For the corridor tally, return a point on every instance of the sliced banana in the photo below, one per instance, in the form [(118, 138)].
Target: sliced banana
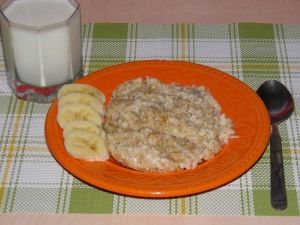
[(81, 88), (83, 98), (86, 146), (85, 126), (77, 111)]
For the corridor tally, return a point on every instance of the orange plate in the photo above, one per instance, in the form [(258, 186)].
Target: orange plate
[(239, 102)]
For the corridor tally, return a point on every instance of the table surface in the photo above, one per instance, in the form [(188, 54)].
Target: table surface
[(190, 11), (169, 11)]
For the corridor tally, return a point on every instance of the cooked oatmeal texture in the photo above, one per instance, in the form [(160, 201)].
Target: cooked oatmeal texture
[(157, 127)]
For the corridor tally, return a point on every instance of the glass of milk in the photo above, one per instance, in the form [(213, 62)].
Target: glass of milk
[(41, 42)]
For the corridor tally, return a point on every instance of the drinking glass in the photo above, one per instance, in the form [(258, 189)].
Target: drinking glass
[(41, 41)]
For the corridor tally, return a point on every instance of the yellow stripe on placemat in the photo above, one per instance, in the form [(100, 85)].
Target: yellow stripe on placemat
[(183, 206), (183, 41), (10, 151)]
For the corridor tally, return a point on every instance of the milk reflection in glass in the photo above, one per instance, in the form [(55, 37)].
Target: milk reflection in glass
[(42, 46)]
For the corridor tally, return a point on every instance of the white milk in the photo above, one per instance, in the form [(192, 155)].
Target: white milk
[(45, 57)]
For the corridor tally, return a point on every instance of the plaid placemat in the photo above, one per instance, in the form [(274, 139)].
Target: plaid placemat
[(31, 181)]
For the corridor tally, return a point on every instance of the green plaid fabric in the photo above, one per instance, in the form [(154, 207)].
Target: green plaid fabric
[(31, 181)]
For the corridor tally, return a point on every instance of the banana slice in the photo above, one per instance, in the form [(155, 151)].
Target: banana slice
[(77, 111), (86, 146), (85, 126), (81, 88), (83, 98)]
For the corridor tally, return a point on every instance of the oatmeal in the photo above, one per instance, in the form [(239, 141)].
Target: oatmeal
[(157, 127)]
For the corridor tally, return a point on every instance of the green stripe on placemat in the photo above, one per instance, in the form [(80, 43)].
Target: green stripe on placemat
[(107, 45), (90, 200), (259, 53)]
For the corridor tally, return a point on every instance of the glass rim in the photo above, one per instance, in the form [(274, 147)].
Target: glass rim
[(45, 27)]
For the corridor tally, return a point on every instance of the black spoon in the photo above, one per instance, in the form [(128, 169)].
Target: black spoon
[(280, 105)]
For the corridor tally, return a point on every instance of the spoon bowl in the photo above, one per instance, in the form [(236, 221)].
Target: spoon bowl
[(277, 99), (280, 105)]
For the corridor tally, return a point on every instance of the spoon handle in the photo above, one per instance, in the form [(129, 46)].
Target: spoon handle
[(278, 191)]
